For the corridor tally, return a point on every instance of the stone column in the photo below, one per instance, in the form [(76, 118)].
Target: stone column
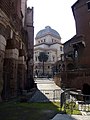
[(10, 64), (21, 70), (2, 52)]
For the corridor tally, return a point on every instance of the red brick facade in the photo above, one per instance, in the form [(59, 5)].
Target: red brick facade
[(77, 50), (82, 19)]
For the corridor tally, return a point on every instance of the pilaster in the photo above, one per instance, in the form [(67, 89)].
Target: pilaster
[(22, 67), (10, 71), (2, 52)]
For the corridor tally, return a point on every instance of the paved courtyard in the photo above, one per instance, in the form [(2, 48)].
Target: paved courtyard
[(70, 117), (48, 84), (47, 91)]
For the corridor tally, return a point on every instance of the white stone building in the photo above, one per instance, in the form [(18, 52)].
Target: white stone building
[(47, 40)]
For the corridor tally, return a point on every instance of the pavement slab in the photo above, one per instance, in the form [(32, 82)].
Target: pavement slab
[(70, 117)]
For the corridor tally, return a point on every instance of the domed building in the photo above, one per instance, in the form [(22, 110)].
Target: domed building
[(47, 40)]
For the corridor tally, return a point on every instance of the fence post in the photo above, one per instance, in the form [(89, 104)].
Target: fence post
[(53, 95)]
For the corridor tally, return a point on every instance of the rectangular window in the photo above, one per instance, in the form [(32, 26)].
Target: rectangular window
[(60, 48), (36, 58), (62, 57), (88, 4), (53, 58)]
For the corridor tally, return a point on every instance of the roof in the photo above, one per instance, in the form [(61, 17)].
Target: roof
[(75, 38), (47, 31)]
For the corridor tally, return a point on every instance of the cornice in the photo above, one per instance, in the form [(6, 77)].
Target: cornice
[(44, 49), (48, 44)]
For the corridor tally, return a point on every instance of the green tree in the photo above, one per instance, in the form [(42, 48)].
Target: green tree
[(43, 57)]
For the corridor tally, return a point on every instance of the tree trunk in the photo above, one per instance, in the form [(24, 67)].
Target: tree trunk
[(43, 68)]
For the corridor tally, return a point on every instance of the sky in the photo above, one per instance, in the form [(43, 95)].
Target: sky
[(54, 13)]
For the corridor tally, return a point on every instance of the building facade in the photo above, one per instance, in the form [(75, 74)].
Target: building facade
[(13, 47), (76, 50), (47, 40)]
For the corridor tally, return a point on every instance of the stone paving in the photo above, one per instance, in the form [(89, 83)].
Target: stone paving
[(70, 117), (46, 84), (47, 91), (40, 97)]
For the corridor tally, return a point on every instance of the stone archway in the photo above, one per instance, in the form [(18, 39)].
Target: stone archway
[(86, 89), (70, 66), (2, 53)]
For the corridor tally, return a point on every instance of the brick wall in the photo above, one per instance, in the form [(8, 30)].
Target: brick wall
[(76, 78), (5, 6), (82, 19)]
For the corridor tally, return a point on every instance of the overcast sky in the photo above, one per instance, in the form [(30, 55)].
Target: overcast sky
[(55, 13)]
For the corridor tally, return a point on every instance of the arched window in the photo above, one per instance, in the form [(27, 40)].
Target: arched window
[(76, 54), (70, 66)]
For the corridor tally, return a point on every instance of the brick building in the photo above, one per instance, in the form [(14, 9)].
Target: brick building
[(77, 56), (76, 72), (13, 47)]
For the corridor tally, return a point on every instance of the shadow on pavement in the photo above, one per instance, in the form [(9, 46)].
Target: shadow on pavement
[(39, 97), (37, 108)]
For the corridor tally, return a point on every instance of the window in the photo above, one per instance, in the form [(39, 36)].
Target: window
[(53, 58), (44, 40), (62, 57), (48, 67), (60, 48), (36, 67), (36, 58), (88, 4), (76, 53)]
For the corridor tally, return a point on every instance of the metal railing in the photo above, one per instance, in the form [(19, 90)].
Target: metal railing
[(75, 101), (52, 95)]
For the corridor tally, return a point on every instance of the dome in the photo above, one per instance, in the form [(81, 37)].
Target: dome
[(46, 31)]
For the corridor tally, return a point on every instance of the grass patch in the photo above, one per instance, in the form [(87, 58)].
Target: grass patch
[(71, 108), (32, 111), (28, 111)]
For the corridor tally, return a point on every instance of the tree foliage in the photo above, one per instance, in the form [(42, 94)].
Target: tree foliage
[(43, 57)]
